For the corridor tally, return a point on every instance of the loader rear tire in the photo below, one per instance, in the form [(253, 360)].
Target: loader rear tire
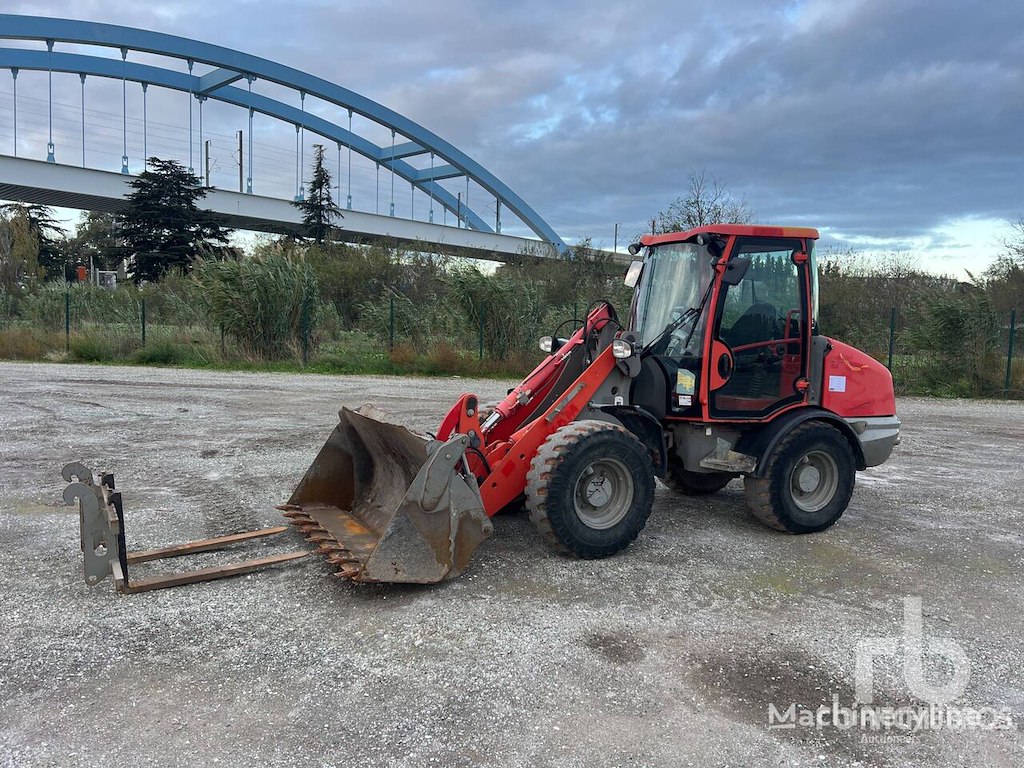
[(590, 488), (682, 480), (808, 480)]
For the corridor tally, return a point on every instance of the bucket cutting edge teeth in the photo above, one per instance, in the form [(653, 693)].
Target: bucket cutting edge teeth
[(340, 559), (388, 503)]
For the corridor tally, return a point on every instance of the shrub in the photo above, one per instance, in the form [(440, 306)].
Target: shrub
[(88, 348), (959, 336), (28, 343), (266, 303), (162, 353)]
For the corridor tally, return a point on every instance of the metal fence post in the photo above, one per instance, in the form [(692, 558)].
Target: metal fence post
[(143, 321), (67, 320), (482, 309), (305, 330), (892, 337), (1009, 353), (391, 326)]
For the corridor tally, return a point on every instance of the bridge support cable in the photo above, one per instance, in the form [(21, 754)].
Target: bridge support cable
[(191, 138), (82, 78), (302, 149), (145, 128), (124, 110), (349, 204), (248, 181), (14, 77), (430, 216), (204, 153), (298, 186), (49, 99)]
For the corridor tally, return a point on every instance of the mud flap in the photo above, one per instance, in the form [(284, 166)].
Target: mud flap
[(386, 504)]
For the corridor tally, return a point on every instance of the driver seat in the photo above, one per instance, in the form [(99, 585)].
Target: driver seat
[(757, 323)]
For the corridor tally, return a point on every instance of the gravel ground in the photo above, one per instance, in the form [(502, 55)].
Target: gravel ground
[(667, 654)]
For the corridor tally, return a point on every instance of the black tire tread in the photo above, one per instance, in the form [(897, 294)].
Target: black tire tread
[(758, 490), (549, 456)]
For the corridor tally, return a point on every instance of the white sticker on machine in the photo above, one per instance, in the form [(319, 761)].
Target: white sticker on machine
[(836, 383)]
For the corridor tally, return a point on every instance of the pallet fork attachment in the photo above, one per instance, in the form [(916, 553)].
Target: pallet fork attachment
[(101, 513)]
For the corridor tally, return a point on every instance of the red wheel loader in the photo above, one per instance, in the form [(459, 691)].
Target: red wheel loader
[(718, 372)]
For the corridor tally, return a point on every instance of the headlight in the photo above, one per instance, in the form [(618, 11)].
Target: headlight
[(547, 343), (621, 348)]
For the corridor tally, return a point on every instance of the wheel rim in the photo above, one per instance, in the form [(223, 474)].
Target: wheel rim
[(603, 494), (814, 481)]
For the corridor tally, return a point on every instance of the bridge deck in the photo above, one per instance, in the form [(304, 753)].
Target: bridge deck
[(35, 181)]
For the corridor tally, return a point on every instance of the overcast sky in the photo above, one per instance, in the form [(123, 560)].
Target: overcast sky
[(887, 124)]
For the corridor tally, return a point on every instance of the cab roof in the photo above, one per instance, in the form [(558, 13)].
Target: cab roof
[(749, 230)]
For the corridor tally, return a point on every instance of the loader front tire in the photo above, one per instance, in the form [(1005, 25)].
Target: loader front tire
[(590, 488), (807, 482)]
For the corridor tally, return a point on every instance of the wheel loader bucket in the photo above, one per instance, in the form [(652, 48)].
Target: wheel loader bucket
[(386, 504)]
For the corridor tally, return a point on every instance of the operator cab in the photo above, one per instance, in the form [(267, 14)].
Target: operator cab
[(719, 313)]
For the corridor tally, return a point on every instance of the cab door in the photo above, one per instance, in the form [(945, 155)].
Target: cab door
[(761, 333)]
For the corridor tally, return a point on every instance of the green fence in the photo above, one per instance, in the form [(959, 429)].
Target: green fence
[(948, 353), (965, 356)]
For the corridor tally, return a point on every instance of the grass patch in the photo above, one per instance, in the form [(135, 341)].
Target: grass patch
[(90, 349), (29, 344), (164, 352)]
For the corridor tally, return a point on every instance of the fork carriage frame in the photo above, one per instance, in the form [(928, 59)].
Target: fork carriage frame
[(101, 517)]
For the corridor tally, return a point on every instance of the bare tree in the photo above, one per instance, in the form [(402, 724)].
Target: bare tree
[(1004, 278), (707, 201), (1015, 244)]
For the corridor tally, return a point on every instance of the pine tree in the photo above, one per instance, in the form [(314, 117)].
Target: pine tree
[(163, 228), (318, 208)]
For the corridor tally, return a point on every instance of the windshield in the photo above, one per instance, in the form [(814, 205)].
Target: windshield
[(674, 278)]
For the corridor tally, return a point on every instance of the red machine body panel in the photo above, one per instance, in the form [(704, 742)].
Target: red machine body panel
[(855, 384)]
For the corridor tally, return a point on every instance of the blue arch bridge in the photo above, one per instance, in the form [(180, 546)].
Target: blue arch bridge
[(450, 202)]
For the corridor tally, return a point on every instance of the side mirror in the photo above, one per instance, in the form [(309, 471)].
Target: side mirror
[(633, 273), (735, 270)]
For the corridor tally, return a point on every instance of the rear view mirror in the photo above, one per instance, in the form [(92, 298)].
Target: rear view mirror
[(633, 273), (735, 269)]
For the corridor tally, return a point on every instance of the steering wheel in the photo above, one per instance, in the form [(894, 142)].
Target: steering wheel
[(675, 347)]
